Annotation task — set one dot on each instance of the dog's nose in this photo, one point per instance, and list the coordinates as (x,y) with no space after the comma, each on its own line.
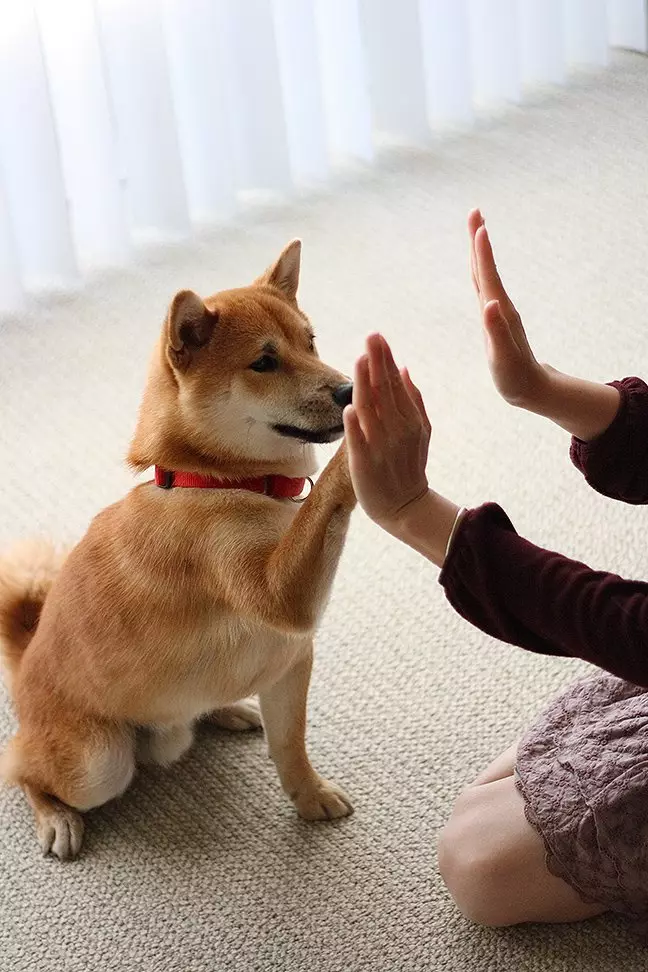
(343,394)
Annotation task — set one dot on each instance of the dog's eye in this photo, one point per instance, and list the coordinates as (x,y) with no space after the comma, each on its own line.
(311,343)
(265,363)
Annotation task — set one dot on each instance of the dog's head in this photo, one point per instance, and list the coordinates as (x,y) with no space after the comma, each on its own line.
(242,374)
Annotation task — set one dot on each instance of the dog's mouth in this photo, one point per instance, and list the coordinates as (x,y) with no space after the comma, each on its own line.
(310,435)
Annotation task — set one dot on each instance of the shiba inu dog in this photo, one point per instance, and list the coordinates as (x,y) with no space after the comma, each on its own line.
(198,589)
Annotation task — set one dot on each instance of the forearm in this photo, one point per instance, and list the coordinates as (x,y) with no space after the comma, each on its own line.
(300,570)
(525,595)
(544,602)
(285,582)
(583,408)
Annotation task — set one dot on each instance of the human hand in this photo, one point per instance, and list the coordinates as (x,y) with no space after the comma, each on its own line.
(387,434)
(518,377)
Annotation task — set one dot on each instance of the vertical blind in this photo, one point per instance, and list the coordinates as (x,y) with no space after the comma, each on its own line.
(125,121)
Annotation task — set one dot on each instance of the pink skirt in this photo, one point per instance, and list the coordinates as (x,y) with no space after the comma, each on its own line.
(582,770)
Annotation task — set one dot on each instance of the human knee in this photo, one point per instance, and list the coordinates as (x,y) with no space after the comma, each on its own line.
(476,869)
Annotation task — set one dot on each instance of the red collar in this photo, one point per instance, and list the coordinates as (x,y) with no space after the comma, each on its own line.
(280,487)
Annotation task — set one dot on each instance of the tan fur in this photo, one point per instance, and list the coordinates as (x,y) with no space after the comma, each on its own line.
(178,604)
(26,576)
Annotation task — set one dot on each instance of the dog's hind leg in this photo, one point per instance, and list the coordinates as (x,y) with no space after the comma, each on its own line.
(59,828)
(65,771)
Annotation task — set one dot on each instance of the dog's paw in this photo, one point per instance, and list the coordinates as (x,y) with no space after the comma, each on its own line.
(60,832)
(239,717)
(321,800)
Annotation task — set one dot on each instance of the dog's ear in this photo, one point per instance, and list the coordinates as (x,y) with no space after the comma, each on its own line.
(189,327)
(283,275)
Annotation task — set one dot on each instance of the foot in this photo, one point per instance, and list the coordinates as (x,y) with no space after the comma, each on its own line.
(321,800)
(60,831)
(164,746)
(240,717)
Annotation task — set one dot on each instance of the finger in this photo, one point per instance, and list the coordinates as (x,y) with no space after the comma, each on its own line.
(473,271)
(402,400)
(379,378)
(362,394)
(377,370)
(356,442)
(498,332)
(490,283)
(475,220)
(363,401)
(416,398)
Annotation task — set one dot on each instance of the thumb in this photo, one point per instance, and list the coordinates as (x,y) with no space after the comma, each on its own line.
(356,442)
(498,333)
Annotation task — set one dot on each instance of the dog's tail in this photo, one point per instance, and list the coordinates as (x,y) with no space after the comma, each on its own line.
(27,573)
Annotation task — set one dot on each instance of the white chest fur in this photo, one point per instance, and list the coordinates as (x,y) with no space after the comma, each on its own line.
(228,662)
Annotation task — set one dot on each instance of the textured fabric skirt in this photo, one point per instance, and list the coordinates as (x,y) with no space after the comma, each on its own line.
(582,770)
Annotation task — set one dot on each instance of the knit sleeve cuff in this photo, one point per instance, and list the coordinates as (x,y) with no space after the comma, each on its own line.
(633,398)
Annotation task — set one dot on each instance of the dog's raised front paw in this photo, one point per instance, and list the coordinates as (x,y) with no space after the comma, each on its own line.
(240,717)
(321,800)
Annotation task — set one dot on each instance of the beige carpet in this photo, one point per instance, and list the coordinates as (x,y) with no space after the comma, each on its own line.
(206,867)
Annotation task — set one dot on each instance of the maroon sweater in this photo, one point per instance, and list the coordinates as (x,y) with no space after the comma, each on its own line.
(542,601)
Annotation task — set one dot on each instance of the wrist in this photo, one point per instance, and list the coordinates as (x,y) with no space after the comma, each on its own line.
(541,392)
(427,525)
(583,408)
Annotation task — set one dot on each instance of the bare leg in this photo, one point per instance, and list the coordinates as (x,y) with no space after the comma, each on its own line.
(494,862)
(502,766)
(284,717)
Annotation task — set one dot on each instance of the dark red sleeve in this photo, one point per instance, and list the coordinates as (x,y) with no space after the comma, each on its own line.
(545,602)
(616,463)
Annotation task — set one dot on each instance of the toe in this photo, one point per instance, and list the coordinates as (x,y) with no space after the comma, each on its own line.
(336,805)
(249,713)
(77,828)
(325,802)
(61,845)
(46,835)
(62,835)
(240,717)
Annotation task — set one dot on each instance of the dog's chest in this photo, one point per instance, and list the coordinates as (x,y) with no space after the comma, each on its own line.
(226,661)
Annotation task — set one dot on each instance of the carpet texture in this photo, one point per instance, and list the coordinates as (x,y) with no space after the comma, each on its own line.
(206,867)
